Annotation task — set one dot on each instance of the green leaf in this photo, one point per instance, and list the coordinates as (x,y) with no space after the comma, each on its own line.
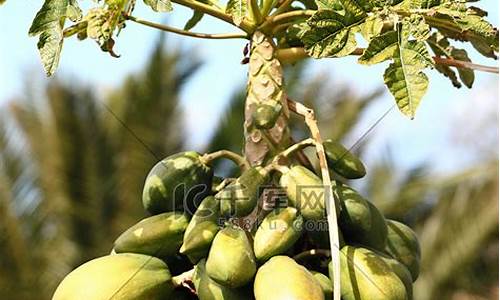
(237,9)
(381,48)
(418,28)
(195,19)
(329,4)
(159,5)
(372,27)
(441,47)
(48,24)
(331,34)
(404,77)
(74,13)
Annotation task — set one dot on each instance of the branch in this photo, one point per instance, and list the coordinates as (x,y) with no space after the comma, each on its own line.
(214,12)
(221,36)
(254,10)
(331,205)
(294,54)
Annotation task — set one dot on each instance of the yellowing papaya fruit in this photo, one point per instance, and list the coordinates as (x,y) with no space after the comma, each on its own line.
(117,277)
(281,278)
(342,161)
(279,230)
(366,276)
(201,230)
(208,289)
(401,271)
(177,183)
(240,197)
(325,283)
(159,235)
(231,261)
(360,221)
(305,191)
(402,244)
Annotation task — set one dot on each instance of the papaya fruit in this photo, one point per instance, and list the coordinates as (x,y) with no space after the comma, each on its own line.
(401,271)
(366,276)
(279,230)
(116,277)
(159,235)
(266,115)
(239,198)
(177,183)
(281,278)
(360,221)
(305,191)
(208,289)
(342,161)
(325,283)
(201,230)
(231,261)
(402,244)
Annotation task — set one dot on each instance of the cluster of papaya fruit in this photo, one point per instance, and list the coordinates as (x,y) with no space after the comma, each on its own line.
(195,247)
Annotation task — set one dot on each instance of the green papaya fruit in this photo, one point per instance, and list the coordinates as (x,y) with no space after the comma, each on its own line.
(342,161)
(116,277)
(360,221)
(305,191)
(279,230)
(402,244)
(231,261)
(201,230)
(325,283)
(319,234)
(239,198)
(366,276)
(401,271)
(208,289)
(159,235)
(281,278)
(177,183)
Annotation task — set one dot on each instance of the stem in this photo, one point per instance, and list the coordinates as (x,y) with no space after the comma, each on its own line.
(283,7)
(331,205)
(294,54)
(287,16)
(219,14)
(184,280)
(267,6)
(239,160)
(463,64)
(162,27)
(254,10)
(295,147)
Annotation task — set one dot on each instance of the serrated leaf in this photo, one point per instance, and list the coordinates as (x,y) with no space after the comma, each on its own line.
(237,9)
(404,77)
(48,23)
(371,27)
(331,34)
(74,13)
(418,28)
(159,5)
(381,48)
(466,74)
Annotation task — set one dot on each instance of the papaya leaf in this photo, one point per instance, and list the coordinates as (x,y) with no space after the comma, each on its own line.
(441,47)
(237,9)
(404,76)
(381,48)
(48,24)
(329,4)
(195,19)
(371,27)
(159,5)
(419,29)
(331,34)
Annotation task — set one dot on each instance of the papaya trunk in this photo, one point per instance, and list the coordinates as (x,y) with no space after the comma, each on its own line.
(266,112)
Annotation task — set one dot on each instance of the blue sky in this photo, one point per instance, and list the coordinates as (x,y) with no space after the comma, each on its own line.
(443,112)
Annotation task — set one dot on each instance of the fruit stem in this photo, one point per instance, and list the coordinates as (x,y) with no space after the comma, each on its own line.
(331,204)
(239,160)
(184,280)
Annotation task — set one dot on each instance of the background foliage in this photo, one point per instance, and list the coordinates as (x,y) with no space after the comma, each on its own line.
(72,168)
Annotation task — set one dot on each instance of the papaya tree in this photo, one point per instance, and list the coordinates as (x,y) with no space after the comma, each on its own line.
(230,218)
